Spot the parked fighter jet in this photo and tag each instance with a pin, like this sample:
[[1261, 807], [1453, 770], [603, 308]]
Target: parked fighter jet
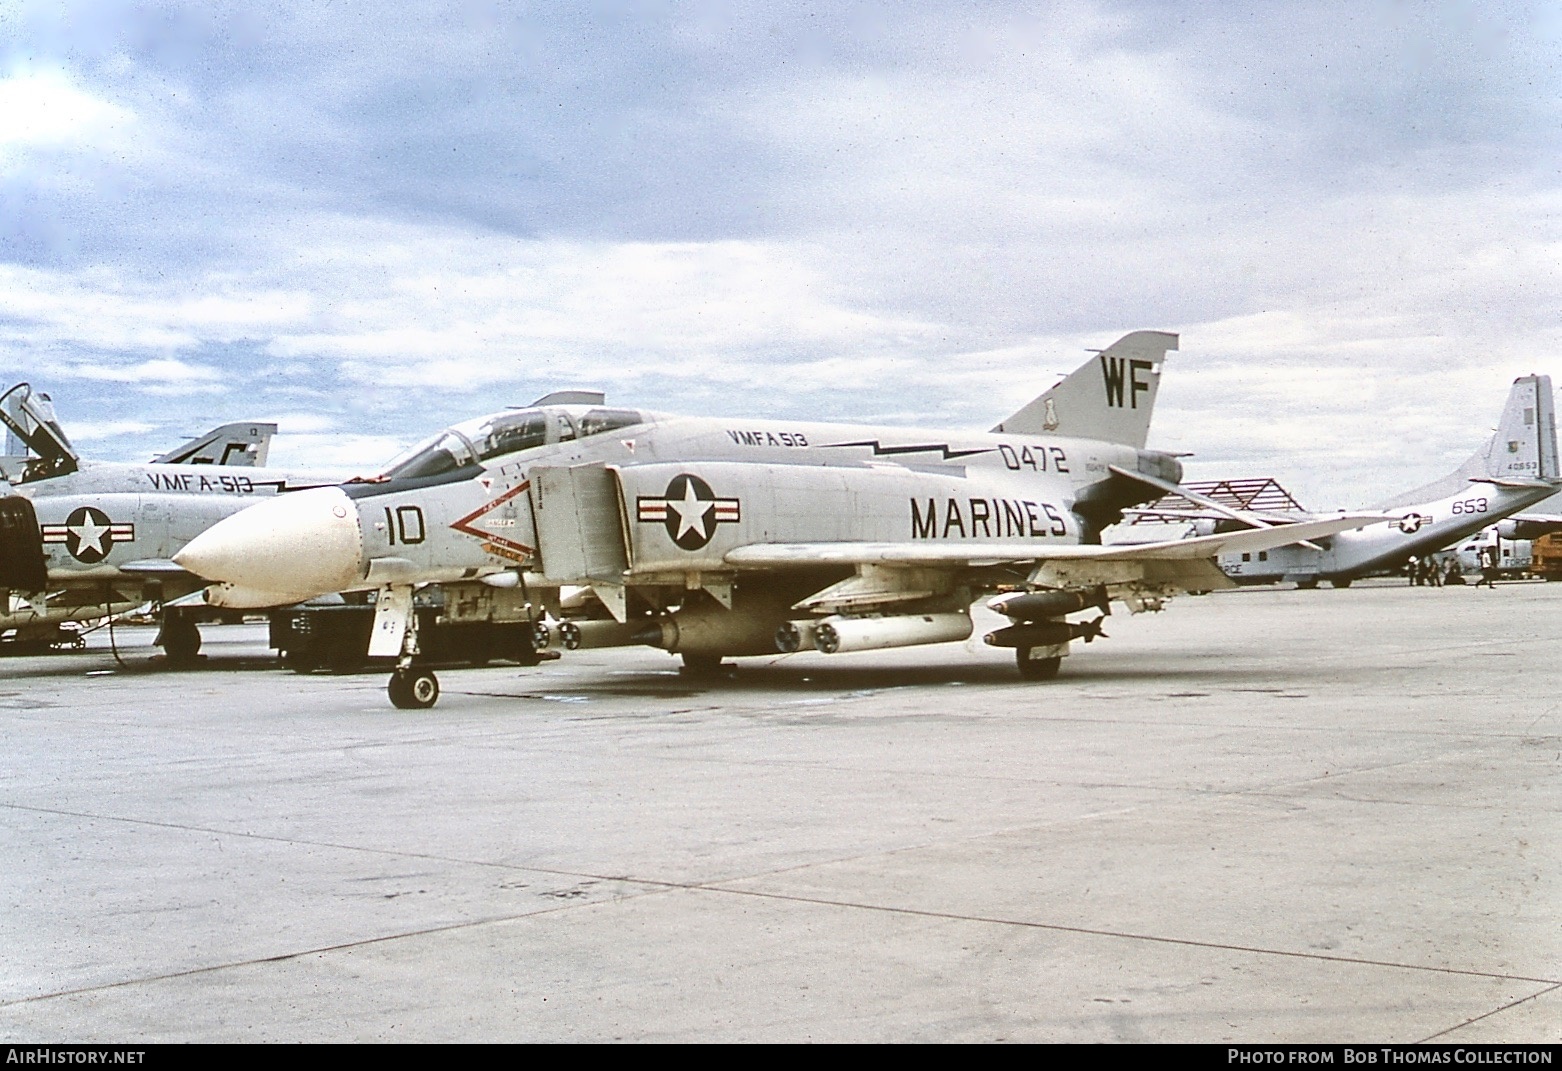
[[711, 537], [1515, 469], [81, 540]]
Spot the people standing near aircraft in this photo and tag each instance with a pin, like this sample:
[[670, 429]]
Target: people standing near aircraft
[[1488, 568]]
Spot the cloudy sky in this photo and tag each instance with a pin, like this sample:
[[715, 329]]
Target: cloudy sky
[[366, 221]]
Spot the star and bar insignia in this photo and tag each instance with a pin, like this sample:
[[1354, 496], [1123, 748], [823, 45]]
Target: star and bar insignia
[[690, 510], [88, 534]]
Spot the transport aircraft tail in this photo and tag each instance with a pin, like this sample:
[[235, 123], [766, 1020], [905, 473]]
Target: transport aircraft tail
[[1111, 397], [1522, 453]]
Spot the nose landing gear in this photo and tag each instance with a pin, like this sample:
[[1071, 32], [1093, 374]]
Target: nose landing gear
[[412, 686]]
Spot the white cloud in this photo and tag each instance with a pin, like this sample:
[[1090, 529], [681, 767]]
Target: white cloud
[[1351, 216], [405, 305], [97, 431], [45, 109], [115, 312], [332, 454], [161, 377]]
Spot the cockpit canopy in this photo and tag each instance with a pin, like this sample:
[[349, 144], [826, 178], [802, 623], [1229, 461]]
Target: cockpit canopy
[[37, 447], [470, 444]]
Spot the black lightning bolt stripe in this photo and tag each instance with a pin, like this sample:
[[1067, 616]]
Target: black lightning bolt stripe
[[880, 450], [284, 486]]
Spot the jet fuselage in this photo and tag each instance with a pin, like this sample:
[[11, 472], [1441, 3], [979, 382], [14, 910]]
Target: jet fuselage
[[676, 495]]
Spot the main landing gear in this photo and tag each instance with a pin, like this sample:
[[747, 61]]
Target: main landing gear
[[180, 639], [703, 666], [1039, 668]]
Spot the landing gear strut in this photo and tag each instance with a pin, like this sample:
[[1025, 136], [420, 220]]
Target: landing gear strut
[[411, 687]]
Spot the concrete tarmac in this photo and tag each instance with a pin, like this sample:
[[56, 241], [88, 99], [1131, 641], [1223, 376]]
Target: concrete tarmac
[[1260, 816]]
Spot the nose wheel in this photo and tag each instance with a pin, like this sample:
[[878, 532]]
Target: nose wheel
[[413, 689]]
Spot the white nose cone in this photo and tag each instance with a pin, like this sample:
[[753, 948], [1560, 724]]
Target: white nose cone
[[283, 550]]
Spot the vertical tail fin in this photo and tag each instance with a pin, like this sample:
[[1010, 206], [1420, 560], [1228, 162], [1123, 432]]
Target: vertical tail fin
[[243, 445], [1524, 447], [1111, 397]]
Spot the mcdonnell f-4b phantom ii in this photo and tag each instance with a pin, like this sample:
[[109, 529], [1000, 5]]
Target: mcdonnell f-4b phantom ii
[[81, 540], [1514, 470], [712, 538]]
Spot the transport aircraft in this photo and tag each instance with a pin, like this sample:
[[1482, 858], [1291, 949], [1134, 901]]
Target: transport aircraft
[[81, 540], [1512, 471], [713, 537]]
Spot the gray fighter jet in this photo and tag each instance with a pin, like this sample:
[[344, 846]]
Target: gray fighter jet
[[713, 538], [81, 540]]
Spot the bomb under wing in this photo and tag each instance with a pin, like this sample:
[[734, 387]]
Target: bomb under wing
[[713, 538]]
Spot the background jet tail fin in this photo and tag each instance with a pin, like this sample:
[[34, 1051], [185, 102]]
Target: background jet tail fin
[[1524, 448], [241, 445], [1111, 397]]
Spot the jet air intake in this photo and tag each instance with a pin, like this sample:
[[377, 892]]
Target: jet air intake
[[22, 565], [836, 634]]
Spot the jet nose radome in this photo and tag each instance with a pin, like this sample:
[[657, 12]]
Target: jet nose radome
[[283, 550]]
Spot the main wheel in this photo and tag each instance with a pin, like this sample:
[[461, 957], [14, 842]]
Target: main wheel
[[299, 662], [526, 647], [1343, 582], [701, 665], [180, 639], [1037, 669], [413, 689]]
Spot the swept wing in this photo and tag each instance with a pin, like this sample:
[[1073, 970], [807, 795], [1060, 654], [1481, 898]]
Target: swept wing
[[779, 554]]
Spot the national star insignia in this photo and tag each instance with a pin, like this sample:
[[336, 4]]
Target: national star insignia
[[88, 534], [690, 510]]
